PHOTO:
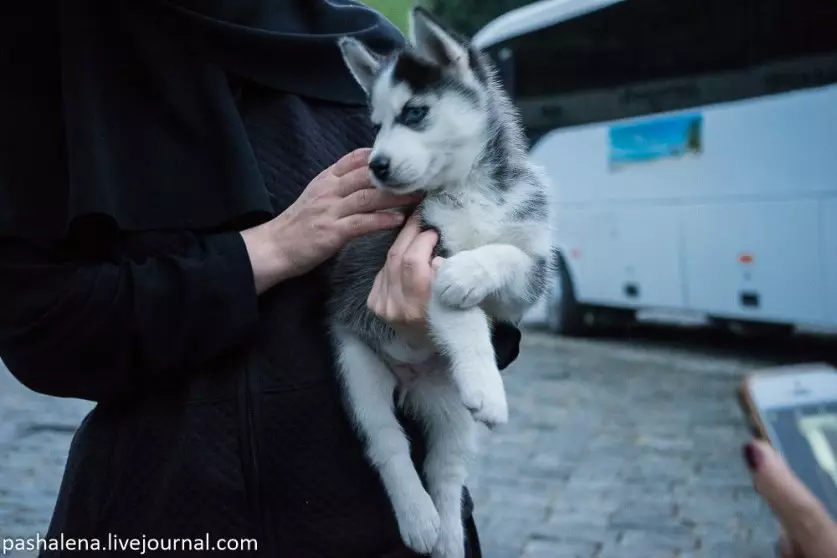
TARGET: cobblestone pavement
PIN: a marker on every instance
(617, 447)
(35, 432)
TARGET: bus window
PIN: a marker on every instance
(639, 57)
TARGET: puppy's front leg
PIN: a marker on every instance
(502, 271)
(465, 337)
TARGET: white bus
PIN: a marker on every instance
(692, 146)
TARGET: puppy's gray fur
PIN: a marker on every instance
(448, 130)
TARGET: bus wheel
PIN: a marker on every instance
(756, 330)
(611, 317)
(565, 316)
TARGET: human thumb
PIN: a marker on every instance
(803, 517)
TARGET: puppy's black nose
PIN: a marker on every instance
(379, 165)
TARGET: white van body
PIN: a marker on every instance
(726, 210)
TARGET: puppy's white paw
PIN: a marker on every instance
(485, 397)
(463, 281)
(418, 522)
(451, 542)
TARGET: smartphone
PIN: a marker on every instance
(794, 408)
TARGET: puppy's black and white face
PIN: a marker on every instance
(428, 104)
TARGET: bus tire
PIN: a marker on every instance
(767, 331)
(614, 317)
(565, 315)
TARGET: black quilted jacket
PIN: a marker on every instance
(218, 415)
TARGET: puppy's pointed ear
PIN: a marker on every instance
(362, 62)
(431, 38)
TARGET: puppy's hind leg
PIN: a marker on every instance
(464, 335)
(451, 444)
(369, 385)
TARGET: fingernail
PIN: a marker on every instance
(752, 457)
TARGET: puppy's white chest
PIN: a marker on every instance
(464, 222)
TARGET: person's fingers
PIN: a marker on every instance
(437, 263)
(392, 299)
(372, 199)
(412, 227)
(375, 298)
(357, 159)
(416, 270)
(321, 174)
(352, 181)
(803, 517)
(365, 223)
(786, 548)
(399, 247)
(387, 296)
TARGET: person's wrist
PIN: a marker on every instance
(269, 257)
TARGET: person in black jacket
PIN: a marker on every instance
(174, 177)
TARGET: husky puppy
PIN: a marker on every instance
(446, 129)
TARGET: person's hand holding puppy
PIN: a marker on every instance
(402, 288)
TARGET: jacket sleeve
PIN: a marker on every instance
(99, 330)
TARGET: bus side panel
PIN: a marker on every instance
(755, 261)
(583, 237)
(828, 224)
(765, 148)
(627, 257)
(646, 253)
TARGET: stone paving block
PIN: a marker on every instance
(637, 493)
(504, 532)
(641, 551)
(595, 504)
(713, 535)
(492, 549)
(530, 515)
(575, 530)
(548, 465)
(759, 549)
(681, 541)
(659, 516)
(767, 528)
(705, 511)
(545, 548)
(655, 471)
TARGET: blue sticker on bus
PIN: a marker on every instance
(659, 138)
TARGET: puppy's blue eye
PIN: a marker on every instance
(412, 115)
